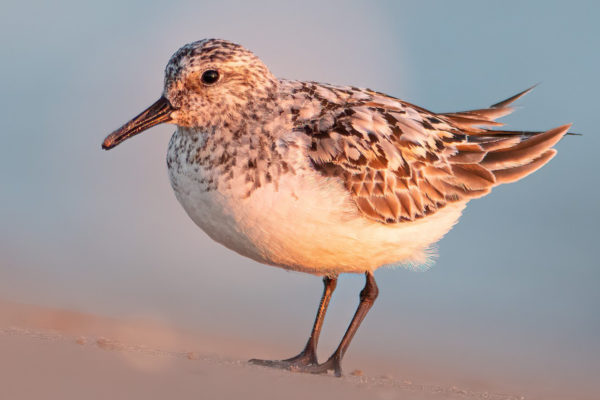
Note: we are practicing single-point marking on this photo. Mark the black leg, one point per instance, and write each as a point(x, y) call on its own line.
point(308, 356)
point(367, 298)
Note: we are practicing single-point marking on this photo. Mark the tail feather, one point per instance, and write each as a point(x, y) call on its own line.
point(512, 99)
point(494, 160)
point(525, 151)
point(513, 174)
point(472, 119)
point(508, 155)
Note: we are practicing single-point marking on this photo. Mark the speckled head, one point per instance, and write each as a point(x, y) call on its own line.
point(211, 79)
point(207, 83)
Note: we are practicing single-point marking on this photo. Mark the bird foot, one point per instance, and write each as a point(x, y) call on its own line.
point(302, 360)
point(304, 363)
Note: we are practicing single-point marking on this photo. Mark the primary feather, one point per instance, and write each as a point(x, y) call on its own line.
point(401, 162)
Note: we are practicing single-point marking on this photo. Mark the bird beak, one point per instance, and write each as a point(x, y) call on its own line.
point(157, 113)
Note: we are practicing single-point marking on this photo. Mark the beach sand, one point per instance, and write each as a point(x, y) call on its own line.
point(57, 354)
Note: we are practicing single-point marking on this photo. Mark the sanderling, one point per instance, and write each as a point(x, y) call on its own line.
point(324, 179)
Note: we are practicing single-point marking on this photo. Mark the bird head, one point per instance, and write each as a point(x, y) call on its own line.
point(208, 84)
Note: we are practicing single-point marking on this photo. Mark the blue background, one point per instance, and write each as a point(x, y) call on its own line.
point(513, 298)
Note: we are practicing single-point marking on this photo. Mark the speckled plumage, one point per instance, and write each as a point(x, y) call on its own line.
point(324, 179)
point(389, 162)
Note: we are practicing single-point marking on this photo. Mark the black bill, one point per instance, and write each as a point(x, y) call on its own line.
point(157, 113)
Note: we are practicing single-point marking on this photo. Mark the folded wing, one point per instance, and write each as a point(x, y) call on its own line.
point(401, 162)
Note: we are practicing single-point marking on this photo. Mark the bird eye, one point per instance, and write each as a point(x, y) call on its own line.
point(210, 76)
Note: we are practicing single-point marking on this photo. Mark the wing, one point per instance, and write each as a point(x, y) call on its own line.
point(401, 162)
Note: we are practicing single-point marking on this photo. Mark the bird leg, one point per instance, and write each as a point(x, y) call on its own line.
point(306, 361)
point(308, 356)
point(334, 363)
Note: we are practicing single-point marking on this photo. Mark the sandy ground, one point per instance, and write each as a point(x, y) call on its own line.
point(57, 354)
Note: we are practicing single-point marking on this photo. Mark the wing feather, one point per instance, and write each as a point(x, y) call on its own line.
point(525, 151)
point(401, 162)
point(513, 174)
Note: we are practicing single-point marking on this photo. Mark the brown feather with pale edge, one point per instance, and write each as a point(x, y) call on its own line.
point(419, 161)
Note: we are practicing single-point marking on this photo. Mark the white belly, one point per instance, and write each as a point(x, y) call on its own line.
point(306, 223)
point(301, 221)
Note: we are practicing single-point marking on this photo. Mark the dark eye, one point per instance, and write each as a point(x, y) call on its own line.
point(210, 76)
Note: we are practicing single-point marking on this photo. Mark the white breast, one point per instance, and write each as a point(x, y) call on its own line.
point(303, 222)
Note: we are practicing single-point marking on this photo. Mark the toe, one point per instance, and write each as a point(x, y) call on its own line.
point(269, 363)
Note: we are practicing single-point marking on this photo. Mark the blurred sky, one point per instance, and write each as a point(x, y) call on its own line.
point(514, 293)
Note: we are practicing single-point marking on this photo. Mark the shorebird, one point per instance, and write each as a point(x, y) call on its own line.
point(324, 179)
